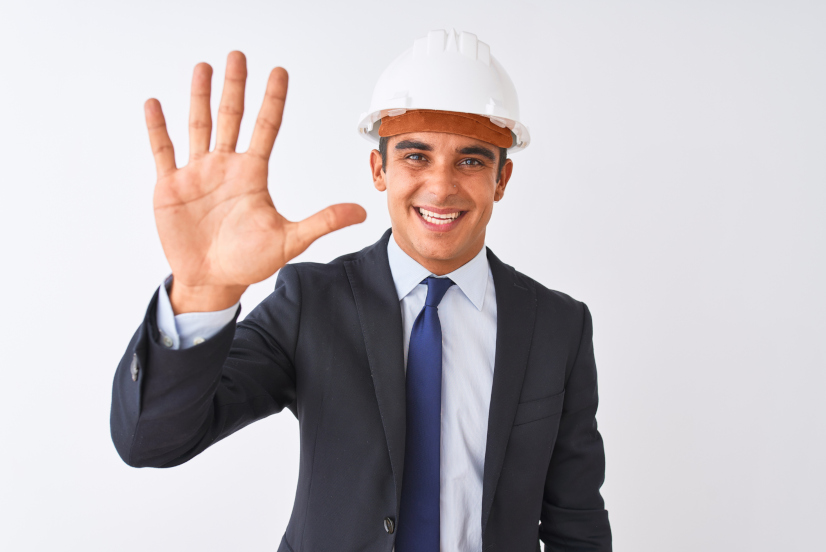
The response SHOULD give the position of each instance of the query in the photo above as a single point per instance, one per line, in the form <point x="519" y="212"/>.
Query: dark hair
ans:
<point x="503" y="156"/>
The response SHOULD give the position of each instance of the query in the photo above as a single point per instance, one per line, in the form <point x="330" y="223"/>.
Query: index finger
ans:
<point x="269" y="118"/>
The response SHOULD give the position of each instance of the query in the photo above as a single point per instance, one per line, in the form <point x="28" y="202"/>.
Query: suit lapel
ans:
<point x="515" y="316"/>
<point x="381" y="324"/>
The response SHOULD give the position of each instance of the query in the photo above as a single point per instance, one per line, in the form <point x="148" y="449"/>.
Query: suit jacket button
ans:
<point x="133" y="369"/>
<point x="389" y="525"/>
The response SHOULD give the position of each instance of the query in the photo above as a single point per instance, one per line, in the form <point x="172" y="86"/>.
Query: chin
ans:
<point x="435" y="249"/>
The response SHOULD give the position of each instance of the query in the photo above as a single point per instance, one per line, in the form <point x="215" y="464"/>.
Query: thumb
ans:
<point x="334" y="217"/>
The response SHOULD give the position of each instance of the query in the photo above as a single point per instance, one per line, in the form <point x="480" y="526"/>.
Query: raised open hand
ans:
<point x="218" y="226"/>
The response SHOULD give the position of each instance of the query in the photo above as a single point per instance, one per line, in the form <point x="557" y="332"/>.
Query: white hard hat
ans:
<point x="447" y="71"/>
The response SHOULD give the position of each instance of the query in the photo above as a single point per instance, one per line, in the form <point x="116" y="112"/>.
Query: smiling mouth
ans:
<point x="438" y="218"/>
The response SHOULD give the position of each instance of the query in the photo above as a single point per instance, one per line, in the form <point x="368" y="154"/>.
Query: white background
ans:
<point x="676" y="183"/>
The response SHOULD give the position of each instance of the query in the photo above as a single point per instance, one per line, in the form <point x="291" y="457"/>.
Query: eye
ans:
<point x="415" y="157"/>
<point x="470" y="161"/>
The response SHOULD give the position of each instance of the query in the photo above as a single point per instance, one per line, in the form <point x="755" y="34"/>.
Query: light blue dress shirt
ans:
<point x="467" y="315"/>
<point x="190" y="328"/>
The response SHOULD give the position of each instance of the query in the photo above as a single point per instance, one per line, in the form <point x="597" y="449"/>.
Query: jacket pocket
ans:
<point x="538" y="409"/>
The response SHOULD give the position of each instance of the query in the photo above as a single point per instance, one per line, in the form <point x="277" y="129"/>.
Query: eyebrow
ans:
<point x="478" y="150"/>
<point x="413" y="144"/>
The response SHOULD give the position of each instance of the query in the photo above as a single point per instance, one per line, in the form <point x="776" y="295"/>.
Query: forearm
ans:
<point x="169" y="405"/>
<point x="163" y="399"/>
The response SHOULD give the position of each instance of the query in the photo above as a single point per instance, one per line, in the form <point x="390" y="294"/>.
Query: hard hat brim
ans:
<point x="369" y="127"/>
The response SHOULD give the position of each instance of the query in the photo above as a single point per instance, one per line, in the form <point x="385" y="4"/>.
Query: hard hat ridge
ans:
<point x="447" y="71"/>
<point x="440" y="41"/>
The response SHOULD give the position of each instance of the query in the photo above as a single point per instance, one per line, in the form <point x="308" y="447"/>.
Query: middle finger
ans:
<point x="231" y="108"/>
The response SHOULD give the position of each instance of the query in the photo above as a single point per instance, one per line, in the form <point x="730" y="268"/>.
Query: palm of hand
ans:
<point x="217" y="222"/>
<point x="218" y="225"/>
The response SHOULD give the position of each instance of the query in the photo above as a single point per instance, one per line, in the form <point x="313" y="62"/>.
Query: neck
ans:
<point x="442" y="266"/>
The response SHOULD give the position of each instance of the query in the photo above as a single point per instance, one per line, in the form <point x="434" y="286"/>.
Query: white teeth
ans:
<point x="437" y="218"/>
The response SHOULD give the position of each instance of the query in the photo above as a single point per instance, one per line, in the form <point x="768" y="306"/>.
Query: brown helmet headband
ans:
<point x="464" y="124"/>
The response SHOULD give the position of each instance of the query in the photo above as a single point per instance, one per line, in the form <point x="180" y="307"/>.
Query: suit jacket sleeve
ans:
<point x="573" y="515"/>
<point x="170" y="405"/>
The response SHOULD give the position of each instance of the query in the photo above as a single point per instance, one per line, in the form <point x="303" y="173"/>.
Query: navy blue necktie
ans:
<point x="418" y="525"/>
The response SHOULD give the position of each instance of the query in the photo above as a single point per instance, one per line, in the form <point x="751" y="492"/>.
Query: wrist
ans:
<point x="186" y="298"/>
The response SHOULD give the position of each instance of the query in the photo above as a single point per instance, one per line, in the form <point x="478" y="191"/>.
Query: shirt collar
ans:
<point x="471" y="277"/>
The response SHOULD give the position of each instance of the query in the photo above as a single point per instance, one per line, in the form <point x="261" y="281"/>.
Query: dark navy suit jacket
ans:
<point x="327" y="344"/>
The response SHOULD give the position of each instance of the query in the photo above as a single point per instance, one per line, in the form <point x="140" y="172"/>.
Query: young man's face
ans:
<point x="440" y="193"/>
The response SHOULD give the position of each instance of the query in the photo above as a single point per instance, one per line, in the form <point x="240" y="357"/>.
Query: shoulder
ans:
<point x="557" y="321"/>
<point x="548" y="301"/>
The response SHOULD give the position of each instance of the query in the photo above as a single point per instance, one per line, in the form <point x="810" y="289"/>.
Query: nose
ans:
<point x="441" y="182"/>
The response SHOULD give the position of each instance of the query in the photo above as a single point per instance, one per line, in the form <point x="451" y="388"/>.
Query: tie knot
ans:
<point x="436" y="289"/>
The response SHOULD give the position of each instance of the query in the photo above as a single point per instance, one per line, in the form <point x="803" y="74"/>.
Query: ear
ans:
<point x="504" y="177"/>
<point x="376" y="170"/>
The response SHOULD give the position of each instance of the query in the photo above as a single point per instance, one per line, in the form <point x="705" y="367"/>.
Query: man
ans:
<point x="445" y="401"/>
